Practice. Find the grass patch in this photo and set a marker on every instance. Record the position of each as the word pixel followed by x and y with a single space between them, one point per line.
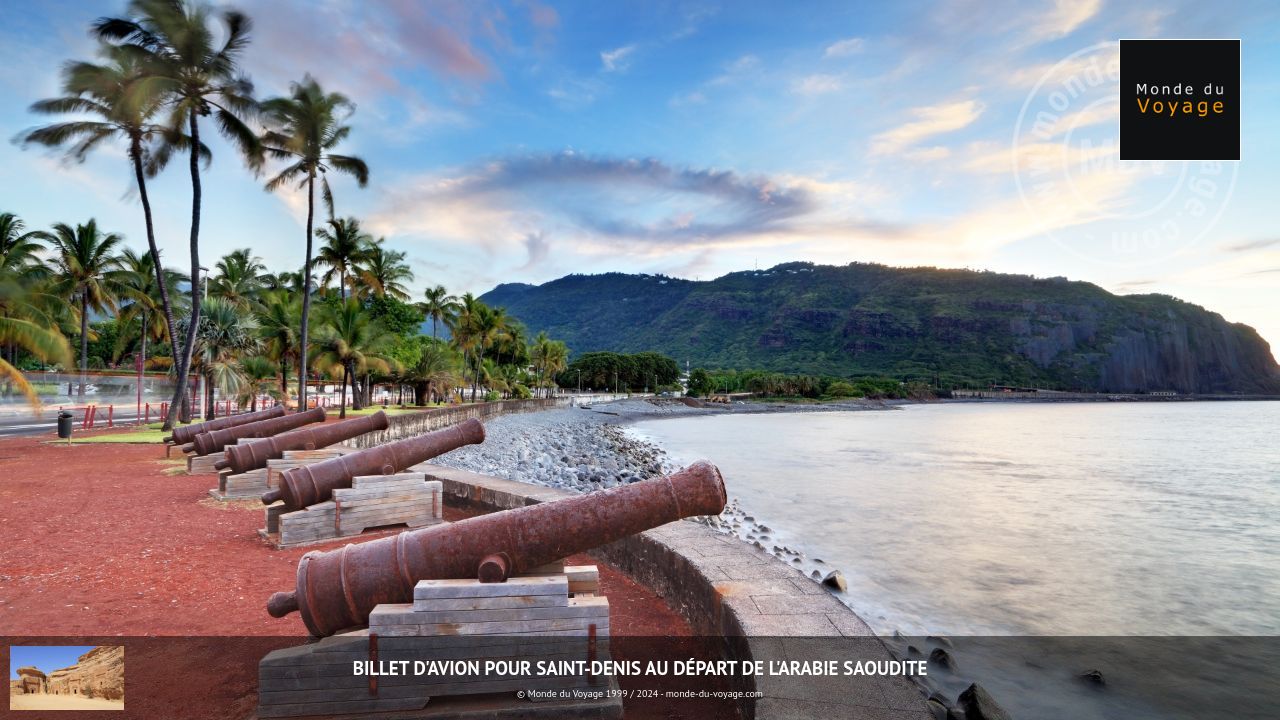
pixel 137 436
pixel 390 410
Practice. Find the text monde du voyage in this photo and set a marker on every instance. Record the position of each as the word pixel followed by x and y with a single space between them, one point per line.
pixel 1180 99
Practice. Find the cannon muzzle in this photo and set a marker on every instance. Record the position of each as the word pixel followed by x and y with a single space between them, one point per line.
pixel 339 588
pixel 253 455
pixel 314 483
pixel 211 442
pixel 185 433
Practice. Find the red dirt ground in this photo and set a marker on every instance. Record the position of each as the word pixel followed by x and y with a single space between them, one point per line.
pixel 98 540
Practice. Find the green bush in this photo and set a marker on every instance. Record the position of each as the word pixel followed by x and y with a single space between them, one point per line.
pixel 492 396
pixel 520 392
pixel 842 389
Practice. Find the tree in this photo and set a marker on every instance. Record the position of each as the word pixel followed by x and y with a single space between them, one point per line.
pixel 198 78
pixel 125 102
pixel 225 334
pixel 20 264
pixel 343 251
pixel 353 342
pixel 239 278
pixel 24 325
pixel 259 375
pixel 700 384
pixel 140 304
pixel 440 306
pixel 279 315
pixel 435 372
pixel 549 357
pixel 87 271
pixel 383 272
pixel 304 128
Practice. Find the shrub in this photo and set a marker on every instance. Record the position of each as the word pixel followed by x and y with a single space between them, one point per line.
pixel 842 389
pixel 492 396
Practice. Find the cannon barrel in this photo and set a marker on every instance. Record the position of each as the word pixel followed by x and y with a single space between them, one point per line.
pixel 215 441
pixel 253 455
pixel 183 434
pixel 339 588
pixel 314 483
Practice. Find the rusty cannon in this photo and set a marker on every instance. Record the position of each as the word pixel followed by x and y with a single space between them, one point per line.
pixel 338 589
pixel 314 483
pixel 184 434
pixel 253 455
pixel 211 442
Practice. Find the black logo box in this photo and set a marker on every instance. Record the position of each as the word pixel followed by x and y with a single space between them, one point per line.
pixel 1185 68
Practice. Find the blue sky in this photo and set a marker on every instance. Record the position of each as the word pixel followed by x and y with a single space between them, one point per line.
pixel 521 141
pixel 47 658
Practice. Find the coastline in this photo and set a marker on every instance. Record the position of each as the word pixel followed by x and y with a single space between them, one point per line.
pixel 587 448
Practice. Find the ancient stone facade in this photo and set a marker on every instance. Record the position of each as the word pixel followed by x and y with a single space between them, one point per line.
pixel 98 673
pixel 30 681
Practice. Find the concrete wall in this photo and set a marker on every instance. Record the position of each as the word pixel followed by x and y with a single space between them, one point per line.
pixel 759 606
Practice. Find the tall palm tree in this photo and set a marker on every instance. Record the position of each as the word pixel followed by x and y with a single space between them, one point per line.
pixel 87 270
pixel 349 339
pixel 384 272
pixel 125 104
pixel 304 129
pixel 343 251
pixel 198 77
pixel 226 333
pixel 239 277
pixel 278 317
pixel 440 306
pixel 139 302
pixel 465 329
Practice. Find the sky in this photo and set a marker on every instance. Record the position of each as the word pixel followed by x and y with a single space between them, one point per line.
pixel 522 141
pixel 46 658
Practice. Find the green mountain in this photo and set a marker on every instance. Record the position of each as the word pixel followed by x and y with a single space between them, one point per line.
pixel 964 327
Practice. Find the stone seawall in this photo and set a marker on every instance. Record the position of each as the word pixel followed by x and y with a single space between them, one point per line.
pixel 728 589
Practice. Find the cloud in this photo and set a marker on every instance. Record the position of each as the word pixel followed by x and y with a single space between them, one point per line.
pixel 844 48
pixel 930 120
pixel 1250 245
pixel 818 84
pixel 1064 18
pixel 538 247
pixel 616 60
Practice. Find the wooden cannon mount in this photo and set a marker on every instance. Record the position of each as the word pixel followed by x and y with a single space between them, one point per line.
pixel 347 493
pixel 252 467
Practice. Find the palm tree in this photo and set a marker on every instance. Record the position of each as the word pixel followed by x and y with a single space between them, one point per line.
pixel 435 373
pixel 549 357
pixel 225 334
pixel 439 306
pixel 20 249
pixel 87 271
pixel 304 129
pixel 342 253
pixel 19 262
pixel 24 325
pixel 352 341
pixel 197 78
pixel 259 374
pixel 278 317
pixel 139 294
pixel 125 104
pixel 383 272
pixel 239 277
pixel 465 331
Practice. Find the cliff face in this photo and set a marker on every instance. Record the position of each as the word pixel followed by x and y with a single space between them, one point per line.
pixel 960 327
pixel 98 673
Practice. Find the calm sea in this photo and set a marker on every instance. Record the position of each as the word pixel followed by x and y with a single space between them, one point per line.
pixel 1004 519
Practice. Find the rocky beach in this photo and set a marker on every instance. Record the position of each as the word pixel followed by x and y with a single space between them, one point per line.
pixel 587 448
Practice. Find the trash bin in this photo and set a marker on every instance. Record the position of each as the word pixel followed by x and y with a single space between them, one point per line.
pixel 64 425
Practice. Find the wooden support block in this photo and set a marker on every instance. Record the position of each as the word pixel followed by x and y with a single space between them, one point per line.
pixel 407 614
pixel 520 585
